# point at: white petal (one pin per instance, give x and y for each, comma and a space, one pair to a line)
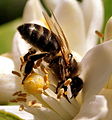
96, 68
108, 30
56, 106
44, 113
70, 17
7, 79
91, 10
94, 15
108, 95
63, 107
109, 83
32, 11
19, 48
94, 108
51, 4
15, 110
77, 56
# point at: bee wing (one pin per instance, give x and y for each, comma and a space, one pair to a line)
55, 27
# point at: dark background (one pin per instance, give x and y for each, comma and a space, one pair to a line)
10, 9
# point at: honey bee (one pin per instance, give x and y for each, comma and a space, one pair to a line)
54, 50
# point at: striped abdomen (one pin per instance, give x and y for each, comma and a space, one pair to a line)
40, 37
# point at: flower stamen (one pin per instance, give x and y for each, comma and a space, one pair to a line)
16, 93
16, 73
67, 82
21, 108
60, 93
33, 103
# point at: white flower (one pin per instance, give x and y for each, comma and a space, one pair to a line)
8, 83
79, 24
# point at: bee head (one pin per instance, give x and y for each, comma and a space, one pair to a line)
76, 85
25, 31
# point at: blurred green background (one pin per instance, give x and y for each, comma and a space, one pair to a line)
11, 13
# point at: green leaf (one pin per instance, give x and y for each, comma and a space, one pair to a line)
8, 116
6, 35
107, 10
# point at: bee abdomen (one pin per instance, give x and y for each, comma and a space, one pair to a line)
40, 37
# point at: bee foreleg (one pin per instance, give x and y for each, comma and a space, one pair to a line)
37, 56
25, 58
30, 64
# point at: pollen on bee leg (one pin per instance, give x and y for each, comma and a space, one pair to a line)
67, 82
60, 93
21, 108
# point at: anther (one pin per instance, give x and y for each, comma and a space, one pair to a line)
21, 107
37, 105
65, 93
16, 73
21, 99
46, 86
67, 82
21, 59
22, 94
13, 101
34, 103
22, 62
16, 93
60, 93
30, 103
46, 78
40, 90
99, 34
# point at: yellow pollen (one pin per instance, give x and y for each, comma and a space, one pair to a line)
34, 84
